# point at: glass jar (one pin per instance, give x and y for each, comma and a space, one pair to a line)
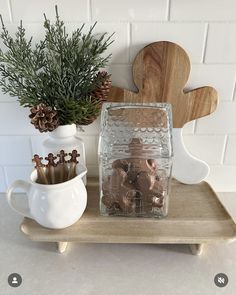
135, 159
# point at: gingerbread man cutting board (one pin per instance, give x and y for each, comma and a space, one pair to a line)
160, 72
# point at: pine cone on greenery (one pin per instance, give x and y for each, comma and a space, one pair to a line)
44, 118
102, 91
98, 96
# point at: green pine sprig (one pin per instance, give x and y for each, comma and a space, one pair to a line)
59, 71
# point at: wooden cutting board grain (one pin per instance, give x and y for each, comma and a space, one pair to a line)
160, 72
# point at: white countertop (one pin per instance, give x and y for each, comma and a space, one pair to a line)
104, 269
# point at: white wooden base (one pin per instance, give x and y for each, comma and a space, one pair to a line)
61, 246
196, 249
196, 217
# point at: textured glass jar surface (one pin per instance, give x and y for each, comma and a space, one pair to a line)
135, 155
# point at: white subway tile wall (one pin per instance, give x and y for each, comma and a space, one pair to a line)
5, 10
190, 36
122, 76
120, 47
222, 121
208, 10
221, 45
206, 29
17, 172
230, 153
129, 10
6, 97
32, 10
15, 150
14, 120
3, 185
221, 76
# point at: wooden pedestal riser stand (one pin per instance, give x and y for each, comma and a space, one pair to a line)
196, 216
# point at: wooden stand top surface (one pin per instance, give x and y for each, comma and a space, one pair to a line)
196, 215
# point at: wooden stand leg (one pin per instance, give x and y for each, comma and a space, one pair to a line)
196, 249
61, 246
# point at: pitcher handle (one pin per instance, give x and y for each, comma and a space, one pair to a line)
25, 186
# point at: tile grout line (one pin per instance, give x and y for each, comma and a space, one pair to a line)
10, 10
205, 43
5, 176
168, 10
7, 101
129, 41
18, 135
226, 140
234, 90
18, 165
90, 16
129, 63
210, 134
234, 93
159, 21
42, 136
31, 146
195, 127
4, 183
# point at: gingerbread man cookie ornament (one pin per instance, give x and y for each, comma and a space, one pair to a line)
160, 72
134, 185
118, 193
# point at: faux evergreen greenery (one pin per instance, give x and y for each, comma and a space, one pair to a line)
59, 71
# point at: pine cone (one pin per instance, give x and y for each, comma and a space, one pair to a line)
99, 95
44, 118
102, 91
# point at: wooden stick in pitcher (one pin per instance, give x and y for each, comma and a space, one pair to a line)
62, 166
51, 167
73, 161
40, 171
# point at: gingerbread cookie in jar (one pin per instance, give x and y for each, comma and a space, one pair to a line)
135, 159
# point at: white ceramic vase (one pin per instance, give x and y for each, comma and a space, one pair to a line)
64, 138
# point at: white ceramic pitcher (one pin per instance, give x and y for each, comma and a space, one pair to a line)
53, 206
